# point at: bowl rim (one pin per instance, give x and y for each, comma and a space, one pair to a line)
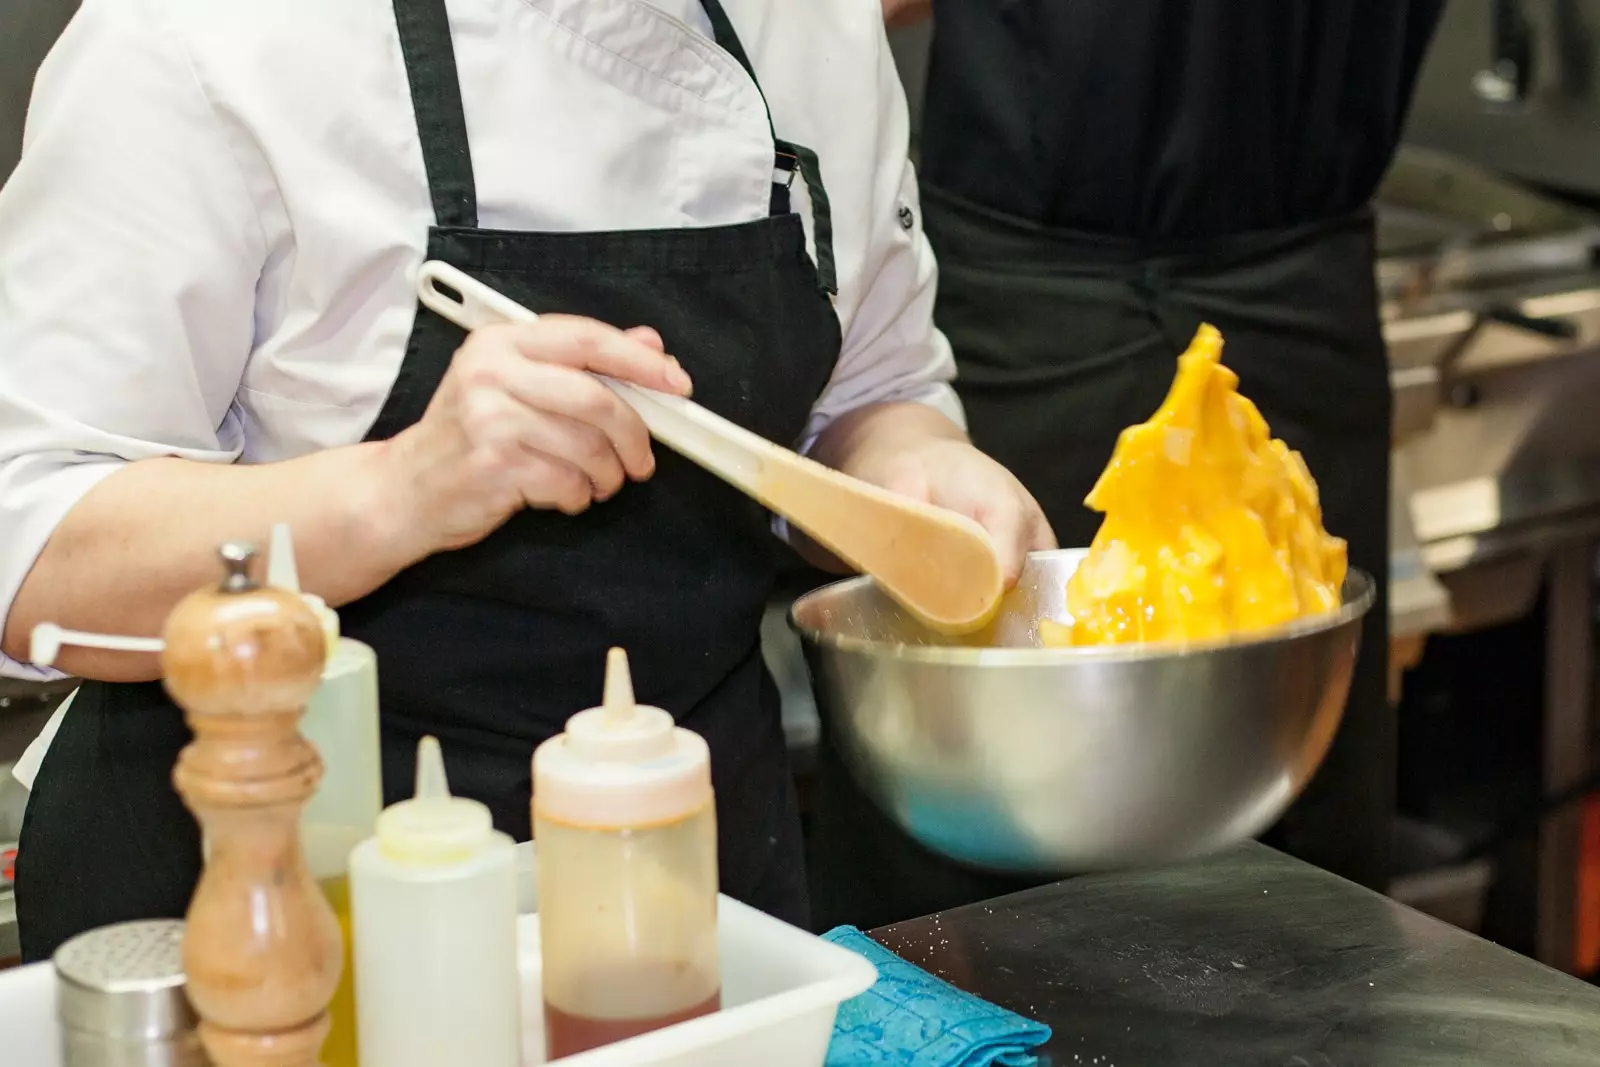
1358, 595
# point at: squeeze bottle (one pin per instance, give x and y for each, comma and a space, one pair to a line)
435, 910
341, 722
627, 840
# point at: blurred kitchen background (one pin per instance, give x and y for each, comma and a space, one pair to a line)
1490, 271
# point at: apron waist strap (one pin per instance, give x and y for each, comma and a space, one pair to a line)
985, 238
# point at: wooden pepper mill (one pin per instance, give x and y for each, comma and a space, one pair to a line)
261, 949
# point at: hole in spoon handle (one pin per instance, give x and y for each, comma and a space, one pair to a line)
465, 301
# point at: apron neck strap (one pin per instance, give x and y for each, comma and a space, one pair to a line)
789, 156
430, 58
786, 160
424, 27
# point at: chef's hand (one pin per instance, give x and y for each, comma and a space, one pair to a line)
913, 450
519, 421
955, 475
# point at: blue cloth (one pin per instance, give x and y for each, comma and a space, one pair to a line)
912, 1019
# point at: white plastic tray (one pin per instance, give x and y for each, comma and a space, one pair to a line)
781, 988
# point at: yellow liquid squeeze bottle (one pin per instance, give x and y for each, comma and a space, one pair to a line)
435, 910
1212, 527
341, 721
627, 841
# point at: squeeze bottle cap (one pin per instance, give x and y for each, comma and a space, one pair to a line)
619, 730
433, 829
621, 764
283, 573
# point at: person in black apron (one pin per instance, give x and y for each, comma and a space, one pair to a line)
492, 647
1099, 179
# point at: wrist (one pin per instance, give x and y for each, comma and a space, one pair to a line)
859, 441
384, 518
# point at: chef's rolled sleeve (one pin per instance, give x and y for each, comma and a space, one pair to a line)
892, 351
129, 253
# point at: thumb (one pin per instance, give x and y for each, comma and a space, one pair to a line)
1007, 529
1044, 538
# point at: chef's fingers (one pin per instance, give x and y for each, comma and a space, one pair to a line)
581, 397
1004, 517
645, 335
584, 344
1017, 525
509, 424
504, 394
1044, 538
548, 483
580, 445
502, 432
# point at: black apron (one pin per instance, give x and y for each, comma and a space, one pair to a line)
491, 648
1063, 339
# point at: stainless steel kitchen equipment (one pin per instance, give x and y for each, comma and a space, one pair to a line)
1492, 315
120, 998
1514, 85
1004, 755
1492, 307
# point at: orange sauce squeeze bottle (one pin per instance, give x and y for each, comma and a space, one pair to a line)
627, 845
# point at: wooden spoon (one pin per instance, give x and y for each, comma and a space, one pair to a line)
940, 566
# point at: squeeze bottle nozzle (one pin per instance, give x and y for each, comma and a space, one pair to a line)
618, 699
432, 782
434, 828
619, 730
283, 573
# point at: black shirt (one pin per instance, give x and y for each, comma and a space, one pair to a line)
1170, 119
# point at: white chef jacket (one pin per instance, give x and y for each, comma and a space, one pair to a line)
208, 247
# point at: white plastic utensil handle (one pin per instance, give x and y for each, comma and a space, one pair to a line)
464, 300
729, 451
45, 643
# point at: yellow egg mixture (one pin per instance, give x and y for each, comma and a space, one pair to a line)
1212, 527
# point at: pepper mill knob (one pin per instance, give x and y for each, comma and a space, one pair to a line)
261, 949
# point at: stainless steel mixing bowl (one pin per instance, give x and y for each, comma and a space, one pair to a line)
1004, 755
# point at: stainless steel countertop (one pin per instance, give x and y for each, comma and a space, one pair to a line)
1253, 959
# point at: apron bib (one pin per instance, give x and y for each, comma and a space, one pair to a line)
1062, 340
492, 647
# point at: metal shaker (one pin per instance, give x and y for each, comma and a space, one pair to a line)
121, 1000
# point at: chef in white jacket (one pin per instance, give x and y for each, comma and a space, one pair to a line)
207, 324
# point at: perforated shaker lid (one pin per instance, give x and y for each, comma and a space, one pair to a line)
125, 981
621, 765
